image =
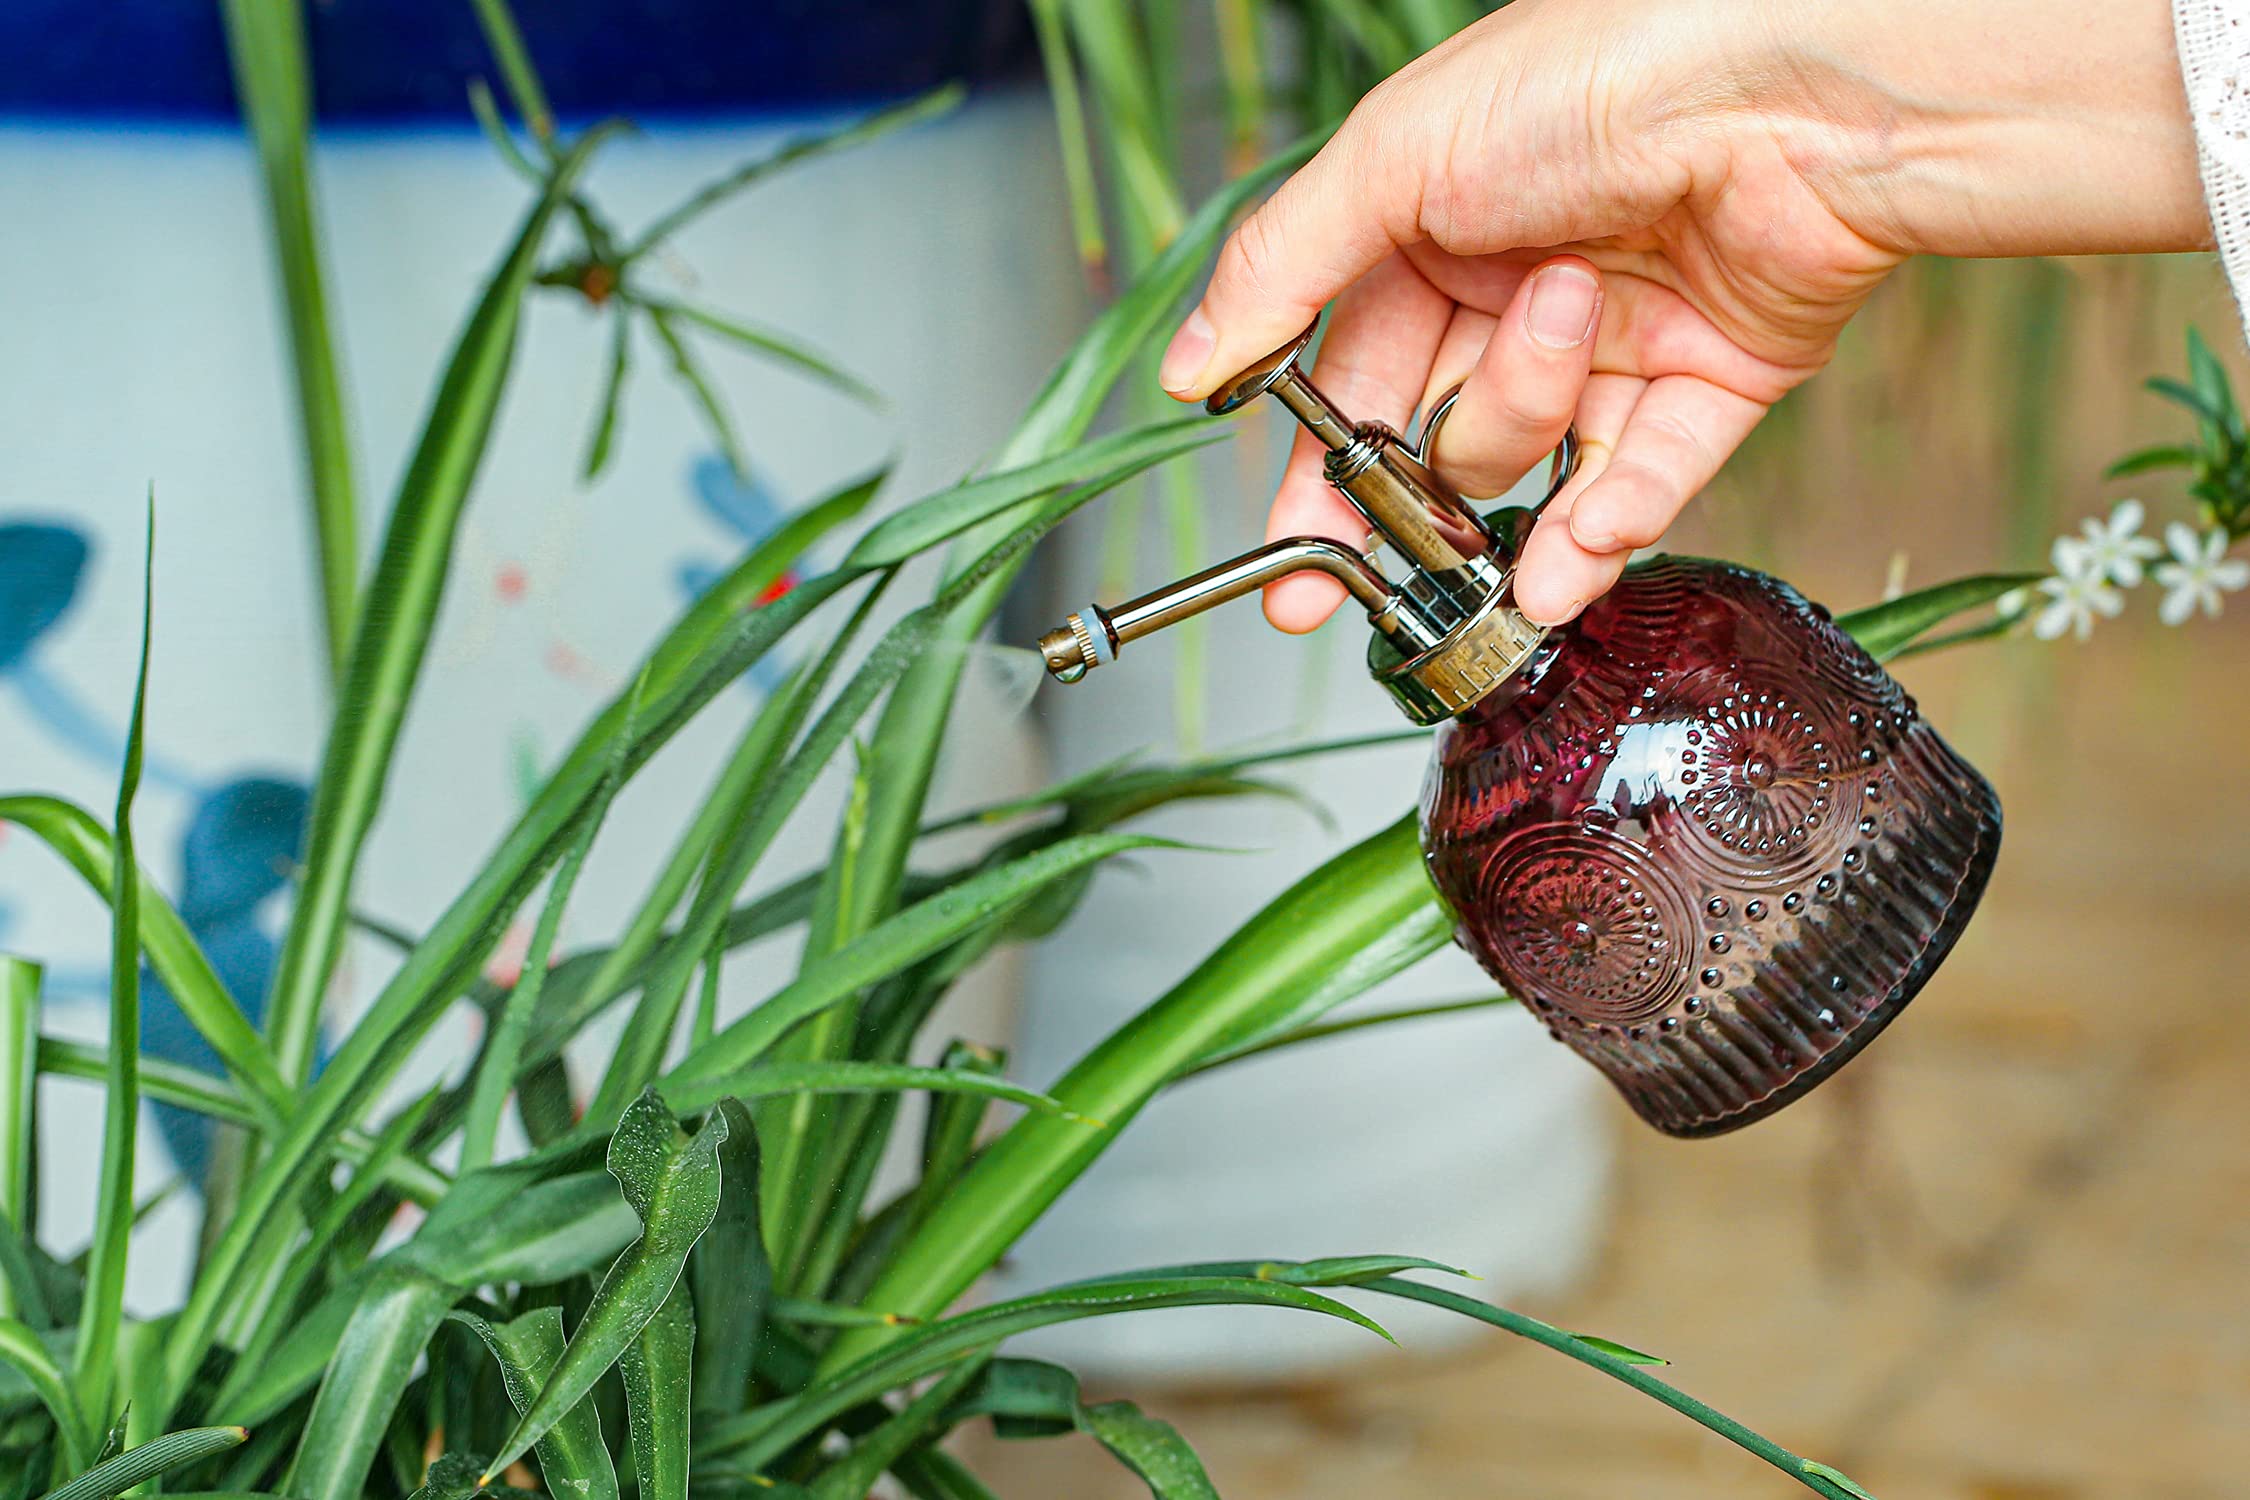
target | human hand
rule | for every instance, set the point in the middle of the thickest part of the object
(1655, 218)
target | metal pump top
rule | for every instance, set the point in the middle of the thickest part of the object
(1447, 631)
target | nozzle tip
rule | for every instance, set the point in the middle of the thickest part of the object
(1064, 651)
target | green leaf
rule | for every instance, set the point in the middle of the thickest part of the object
(391, 1320)
(913, 1352)
(401, 609)
(170, 948)
(1258, 980)
(613, 394)
(1103, 463)
(153, 1458)
(853, 1475)
(22, 1350)
(812, 1314)
(849, 1076)
(272, 70)
(2161, 457)
(102, 1312)
(881, 122)
(900, 940)
(672, 1182)
(658, 1370)
(175, 1084)
(930, 1474)
(706, 395)
(1327, 1029)
(19, 1101)
(1886, 629)
(1623, 1367)
(1031, 1398)
(572, 1459)
(2188, 396)
(774, 345)
(1836, 1477)
(729, 1275)
(1615, 1350)
(2211, 383)
(503, 1053)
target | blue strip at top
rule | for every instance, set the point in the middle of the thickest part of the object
(379, 62)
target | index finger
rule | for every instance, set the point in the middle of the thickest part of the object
(1327, 226)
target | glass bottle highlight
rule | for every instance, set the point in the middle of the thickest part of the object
(1699, 832)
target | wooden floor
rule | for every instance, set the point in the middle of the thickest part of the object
(2005, 1256)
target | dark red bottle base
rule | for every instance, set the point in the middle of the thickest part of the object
(1707, 840)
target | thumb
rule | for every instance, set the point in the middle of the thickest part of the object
(1332, 222)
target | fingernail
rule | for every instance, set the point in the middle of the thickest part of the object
(1568, 612)
(1189, 352)
(1561, 313)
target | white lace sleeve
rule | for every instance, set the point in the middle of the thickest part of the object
(2214, 40)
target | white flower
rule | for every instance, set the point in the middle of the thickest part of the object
(2197, 572)
(2111, 550)
(2072, 603)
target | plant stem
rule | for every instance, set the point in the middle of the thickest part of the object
(266, 42)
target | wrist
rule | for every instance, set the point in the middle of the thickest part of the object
(1987, 127)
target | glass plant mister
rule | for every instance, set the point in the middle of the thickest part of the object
(1698, 831)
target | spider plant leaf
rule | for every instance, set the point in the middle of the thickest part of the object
(2164, 456)
(399, 614)
(604, 436)
(44, 1293)
(729, 1275)
(19, 1099)
(949, 1130)
(102, 1311)
(1031, 1398)
(1836, 1477)
(505, 39)
(658, 1369)
(1099, 465)
(396, 1311)
(171, 950)
(572, 1458)
(853, 1475)
(271, 67)
(158, 1456)
(186, 1088)
(698, 384)
(1073, 142)
(503, 1052)
(1625, 1368)
(847, 1075)
(672, 1182)
(912, 727)
(913, 1352)
(808, 1313)
(1615, 1350)
(2211, 383)
(772, 343)
(487, 112)
(27, 1354)
(905, 938)
(1326, 1029)
(1883, 630)
(446, 961)
(932, 1474)
(1364, 898)
(795, 153)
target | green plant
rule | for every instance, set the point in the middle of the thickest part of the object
(687, 1290)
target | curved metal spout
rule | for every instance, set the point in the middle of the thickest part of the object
(1095, 635)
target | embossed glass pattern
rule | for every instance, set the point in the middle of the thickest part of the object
(1707, 840)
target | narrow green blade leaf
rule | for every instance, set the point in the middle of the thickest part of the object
(1360, 901)
(1838, 1478)
(1108, 461)
(572, 1458)
(914, 1352)
(103, 1311)
(849, 1076)
(2147, 459)
(659, 1371)
(774, 345)
(172, 952)
(1328, 1029)
(853, 1475)
(389, 1324)
(613, 394)
(19, 1098)
(1031, 1398)
(1886, 629)
(711, 195)
(672, 1182)
(1626, 1368)
(22, 1350)
(729, 1275)
(691, 374)
(930, 1474)
(153, 1458)
(401, 609)
(1615, 1350)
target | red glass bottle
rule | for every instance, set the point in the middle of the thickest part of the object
(1699, 832)
(1707, 840)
